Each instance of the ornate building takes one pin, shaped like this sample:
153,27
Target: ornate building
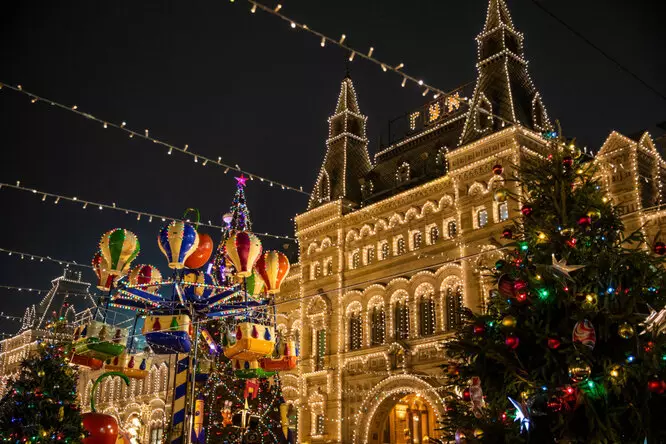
391,250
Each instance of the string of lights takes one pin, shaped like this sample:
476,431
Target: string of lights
11,287
145,134
32,257
139,214
353,53
10,317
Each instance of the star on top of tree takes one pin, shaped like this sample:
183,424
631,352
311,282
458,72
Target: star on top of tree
240,181
564,269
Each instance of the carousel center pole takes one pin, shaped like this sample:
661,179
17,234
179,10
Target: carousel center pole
193,363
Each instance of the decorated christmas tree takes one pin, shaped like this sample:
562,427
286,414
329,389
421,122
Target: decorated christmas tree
41,405
565,351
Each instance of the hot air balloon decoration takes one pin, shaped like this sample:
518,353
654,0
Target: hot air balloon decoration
243,249
254,284
249,369
197,285
143,275
253,341
178,240
204,249
273,267
119,247
284,358
168,334
135,366
99,340
101,268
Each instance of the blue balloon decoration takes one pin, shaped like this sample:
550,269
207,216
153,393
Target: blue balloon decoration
177,240
191,284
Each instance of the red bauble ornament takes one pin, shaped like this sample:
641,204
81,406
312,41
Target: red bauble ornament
519,285
467,396
498,169
526,210
507,233
567,161
479,329
505,286
101,428
660,248
554,343
512,342
584,221
202,253
656,386
571,242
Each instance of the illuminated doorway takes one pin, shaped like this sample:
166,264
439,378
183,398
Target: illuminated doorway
410,421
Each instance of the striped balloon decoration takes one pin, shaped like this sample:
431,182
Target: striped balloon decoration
119,247
273,267
178,240
145,274
104,278
243,249
197,285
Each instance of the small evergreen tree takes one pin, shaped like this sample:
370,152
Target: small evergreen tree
562,353
41,405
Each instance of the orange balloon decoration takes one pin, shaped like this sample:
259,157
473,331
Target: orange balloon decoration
273,267
203,252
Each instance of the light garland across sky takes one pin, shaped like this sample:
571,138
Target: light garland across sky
139,214
23,255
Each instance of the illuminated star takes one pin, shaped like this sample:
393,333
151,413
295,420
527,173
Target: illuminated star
522,415
564,269
240,181
655,322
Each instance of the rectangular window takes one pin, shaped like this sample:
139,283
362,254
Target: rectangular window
503,211
320,349
321,425
482,218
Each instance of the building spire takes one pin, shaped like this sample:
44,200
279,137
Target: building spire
504,93
347,158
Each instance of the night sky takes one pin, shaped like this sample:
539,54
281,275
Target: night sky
252,90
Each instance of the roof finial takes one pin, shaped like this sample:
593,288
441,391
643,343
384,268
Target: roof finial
347,64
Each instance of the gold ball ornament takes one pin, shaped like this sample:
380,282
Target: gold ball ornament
509,321
478,433
500,195
542,238
579,371
594,214
591,300
41,373
625,330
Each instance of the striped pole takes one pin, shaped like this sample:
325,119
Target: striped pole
179,398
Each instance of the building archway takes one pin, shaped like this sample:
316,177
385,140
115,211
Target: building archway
400,409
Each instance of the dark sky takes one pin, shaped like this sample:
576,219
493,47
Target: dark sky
252,90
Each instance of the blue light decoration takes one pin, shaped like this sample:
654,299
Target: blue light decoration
522,415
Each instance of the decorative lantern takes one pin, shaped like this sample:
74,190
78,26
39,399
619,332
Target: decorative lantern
284,358
119,247
253,341
168,334
243,249
134,366
197,285
99,340
145,274
101,269
178,240
273,267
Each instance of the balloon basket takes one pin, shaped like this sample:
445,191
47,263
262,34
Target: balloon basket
169,342
85,361
284,363
96,349
253,341
249,370
134,366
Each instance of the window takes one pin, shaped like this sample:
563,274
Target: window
453,306
452,229
156,434
328,267
427,315
378,326
482,218
297,341
319,348
386,250
356,260
401,317
321,425
416,240
400,246
403,173
355,331
434,235
317,270
503,211
370,255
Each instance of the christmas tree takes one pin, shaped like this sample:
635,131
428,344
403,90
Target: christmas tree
563,352
41,405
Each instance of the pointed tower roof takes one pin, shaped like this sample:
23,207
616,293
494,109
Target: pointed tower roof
504,92
347,158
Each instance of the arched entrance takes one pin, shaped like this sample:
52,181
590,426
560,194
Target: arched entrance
401,409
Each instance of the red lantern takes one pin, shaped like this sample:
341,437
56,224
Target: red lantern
273,267
512,342
101,428
202,253
467,395
660,248
554,343
526,210
498,169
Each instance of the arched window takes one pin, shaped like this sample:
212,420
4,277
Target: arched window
427,315
378,323
401,320
482,218
328,266
355,331
386,250
317,270
370,255
400,246
319,348
503,211
453,307
156,433
324,189
434,234
297,340
356,260
416,240
452,229
403,173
